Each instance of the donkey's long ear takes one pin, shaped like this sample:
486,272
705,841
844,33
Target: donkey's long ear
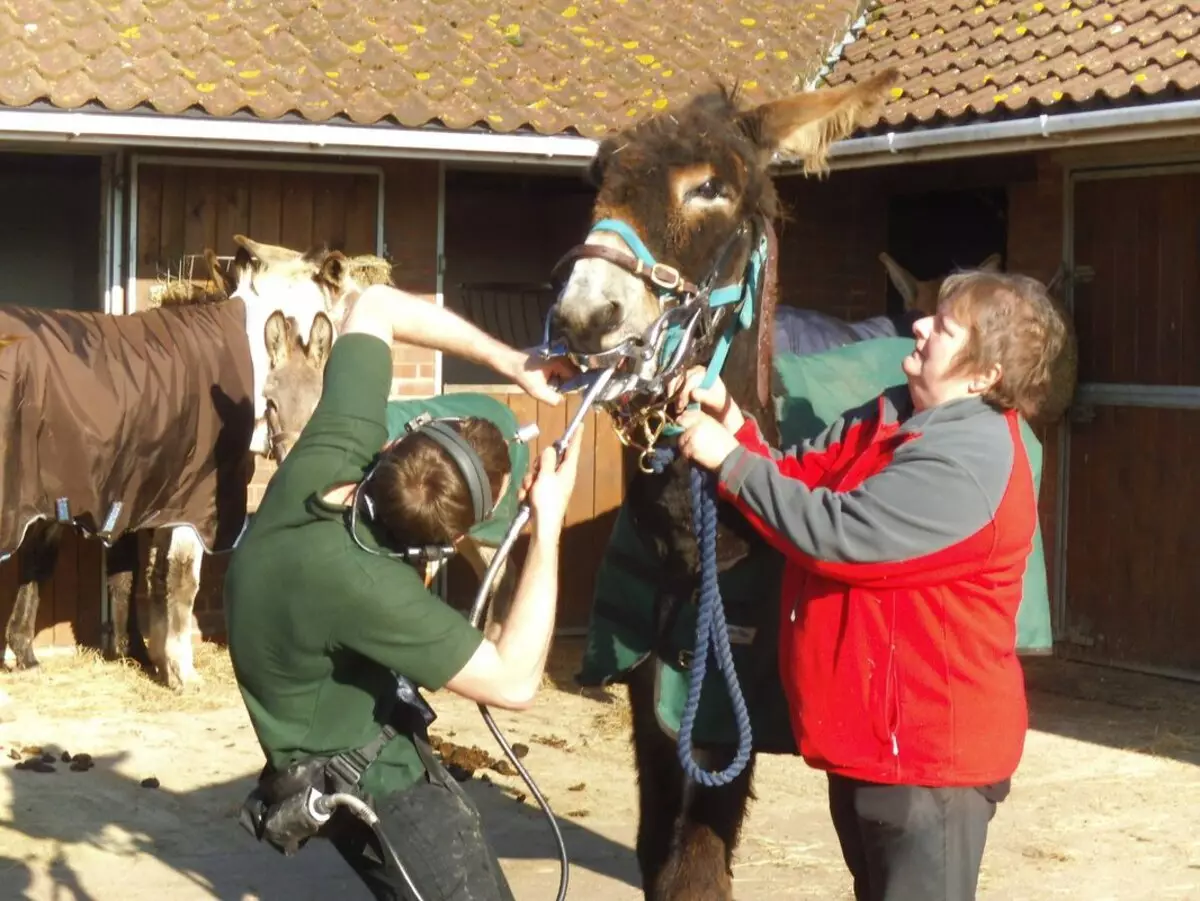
266,253
905,282
320,341
804,125
278,338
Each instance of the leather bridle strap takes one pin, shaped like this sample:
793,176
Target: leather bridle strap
668,278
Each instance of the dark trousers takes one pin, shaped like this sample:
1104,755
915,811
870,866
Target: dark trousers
436,832
907,843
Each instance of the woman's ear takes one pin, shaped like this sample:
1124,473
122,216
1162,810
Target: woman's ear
986,380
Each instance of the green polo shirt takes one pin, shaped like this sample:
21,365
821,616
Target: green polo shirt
316,625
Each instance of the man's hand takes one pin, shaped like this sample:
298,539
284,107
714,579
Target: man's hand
538,376
714,401
704,440
548,485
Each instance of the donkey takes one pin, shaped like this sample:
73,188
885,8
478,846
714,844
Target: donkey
148,421
694,188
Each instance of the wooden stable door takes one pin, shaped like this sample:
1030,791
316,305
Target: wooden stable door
185,208
599,488
1132,546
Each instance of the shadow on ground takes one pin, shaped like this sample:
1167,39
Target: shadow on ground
104,812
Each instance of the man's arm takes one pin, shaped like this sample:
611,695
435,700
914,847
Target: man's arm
394,315
507,673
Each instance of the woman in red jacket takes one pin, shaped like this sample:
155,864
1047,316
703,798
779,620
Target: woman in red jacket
906,527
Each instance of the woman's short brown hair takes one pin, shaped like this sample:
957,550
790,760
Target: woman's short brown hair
420,494
1014,322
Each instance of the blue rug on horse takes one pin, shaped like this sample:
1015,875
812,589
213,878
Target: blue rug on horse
811,391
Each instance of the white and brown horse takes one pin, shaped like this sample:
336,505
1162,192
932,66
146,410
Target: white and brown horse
150,421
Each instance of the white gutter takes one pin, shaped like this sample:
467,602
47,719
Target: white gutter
151,130
1153,122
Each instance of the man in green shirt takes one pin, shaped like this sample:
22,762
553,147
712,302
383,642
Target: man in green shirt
320,622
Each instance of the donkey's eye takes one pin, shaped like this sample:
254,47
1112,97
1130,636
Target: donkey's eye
709,190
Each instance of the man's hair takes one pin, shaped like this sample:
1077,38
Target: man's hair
1013,321
421,496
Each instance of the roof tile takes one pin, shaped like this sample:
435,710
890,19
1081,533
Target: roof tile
1031,53
579,65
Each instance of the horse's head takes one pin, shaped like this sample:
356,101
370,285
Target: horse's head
679,199
921,295
294,380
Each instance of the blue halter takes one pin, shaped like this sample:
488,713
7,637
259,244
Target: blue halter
667,282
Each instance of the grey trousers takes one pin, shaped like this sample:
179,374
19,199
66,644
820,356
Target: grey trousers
908,843
436,831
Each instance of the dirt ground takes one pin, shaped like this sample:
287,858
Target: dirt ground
1103,806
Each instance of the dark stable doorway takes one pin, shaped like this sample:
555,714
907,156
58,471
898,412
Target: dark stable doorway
936,232
50,241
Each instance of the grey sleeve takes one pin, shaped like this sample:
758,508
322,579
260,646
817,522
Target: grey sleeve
930,496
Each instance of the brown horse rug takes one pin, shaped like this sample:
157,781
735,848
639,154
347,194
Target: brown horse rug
126,422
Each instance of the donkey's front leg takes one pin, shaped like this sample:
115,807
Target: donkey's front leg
176,567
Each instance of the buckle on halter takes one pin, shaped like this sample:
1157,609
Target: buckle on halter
670,280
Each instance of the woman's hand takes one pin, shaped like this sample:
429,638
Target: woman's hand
704,440
538,376
715,401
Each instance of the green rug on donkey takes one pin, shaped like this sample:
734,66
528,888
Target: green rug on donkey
811,391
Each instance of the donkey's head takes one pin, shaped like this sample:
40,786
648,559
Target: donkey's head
294,381
299,287
685,185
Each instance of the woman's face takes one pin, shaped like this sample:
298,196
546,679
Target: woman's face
932,378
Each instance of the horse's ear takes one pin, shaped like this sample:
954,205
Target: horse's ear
334,269
266,253
991,263
904,280
804,125
225,284
278,337
320,341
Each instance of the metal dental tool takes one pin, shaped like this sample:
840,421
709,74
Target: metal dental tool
594,382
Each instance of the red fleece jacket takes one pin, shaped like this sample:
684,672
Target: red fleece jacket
906,542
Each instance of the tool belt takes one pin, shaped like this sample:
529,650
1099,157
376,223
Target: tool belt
278,810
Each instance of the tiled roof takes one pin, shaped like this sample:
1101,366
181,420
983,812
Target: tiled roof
964,59
549,65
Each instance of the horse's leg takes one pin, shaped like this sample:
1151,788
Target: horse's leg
120,565
179,559
37,558
660,782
